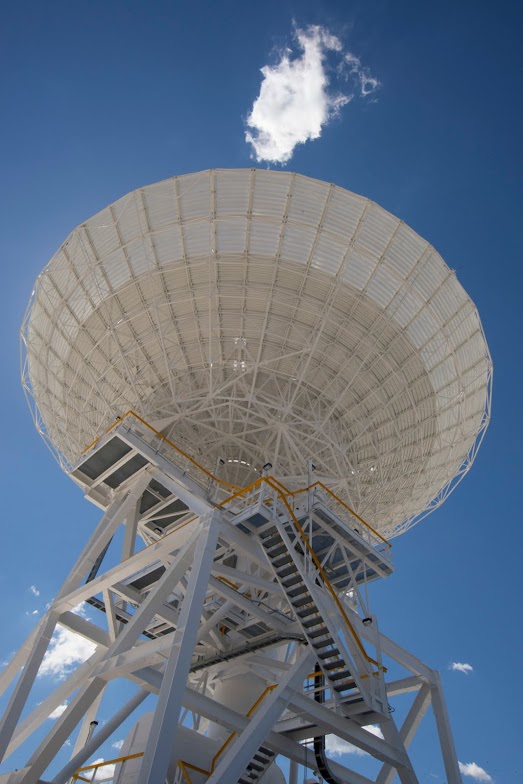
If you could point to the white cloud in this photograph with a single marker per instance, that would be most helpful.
(104, 773)
(295, 100)
(34, 590)
(118, 744)
(475, 772)
(34, 612)
(461, 667)
(66, 650)
(336, 746)
(58, 711)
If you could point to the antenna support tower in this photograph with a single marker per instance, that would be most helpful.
(260, 379)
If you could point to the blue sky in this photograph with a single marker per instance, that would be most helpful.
(101, 97)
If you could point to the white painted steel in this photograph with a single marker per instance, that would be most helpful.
(262, 315)
(160, 665)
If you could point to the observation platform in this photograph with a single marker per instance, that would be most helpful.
(348, 547)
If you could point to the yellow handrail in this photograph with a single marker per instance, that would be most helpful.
(167, 441)
(237, 490)
(183, 764)
(325, 578)
(315, 558)
(346, 506)
(97, 765)
(283, 492)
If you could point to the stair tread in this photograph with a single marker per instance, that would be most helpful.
(338, 676)
(323, 643)
(319, 632)
(329, 654)
(308, 611)
(333, 665)
(301, 600)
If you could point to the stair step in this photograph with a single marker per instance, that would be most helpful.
(318, 633)
(301, 601)
(284, 571)
(340, 676)
(268, 533)
(307, 611)
(322, 643)
(298, 591)
(282, 560)
(310, 624)
(293, 580)
(271, 538)
(276, 549)
(345, 687)
(333, 665)
(329, 654)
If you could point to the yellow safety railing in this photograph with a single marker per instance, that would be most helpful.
(345, 506)
(276, 487)
(183, 765)
(325, 579)
(238, 491)
(284, 494)
(97, 765)
(165, 440)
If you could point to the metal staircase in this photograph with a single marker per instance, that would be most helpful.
(258, 766)
(352, 676)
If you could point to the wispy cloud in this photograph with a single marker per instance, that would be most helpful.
(336, 747)
(118, 744)
(58, 711)
(475, 772)
(461, 667)
(367, 83)
(296, 98)
(34, 590)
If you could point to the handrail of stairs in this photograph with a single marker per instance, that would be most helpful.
(183, 764)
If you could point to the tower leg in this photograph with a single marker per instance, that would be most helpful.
(448, 749)
(162, 737)
(408, 730)
(25, 682)
(390, 733)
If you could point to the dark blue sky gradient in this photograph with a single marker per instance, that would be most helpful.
(101, 97)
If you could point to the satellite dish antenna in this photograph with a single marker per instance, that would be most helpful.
(264, 378)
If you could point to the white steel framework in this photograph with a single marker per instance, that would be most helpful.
(246, 615)
(259, 316)
(241, 367)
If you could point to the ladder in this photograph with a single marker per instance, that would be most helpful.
(347, 668)
(258, 766)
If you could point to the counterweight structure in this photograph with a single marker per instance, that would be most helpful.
(262, 378)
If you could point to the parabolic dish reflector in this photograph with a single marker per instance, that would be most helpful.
(258, 316)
